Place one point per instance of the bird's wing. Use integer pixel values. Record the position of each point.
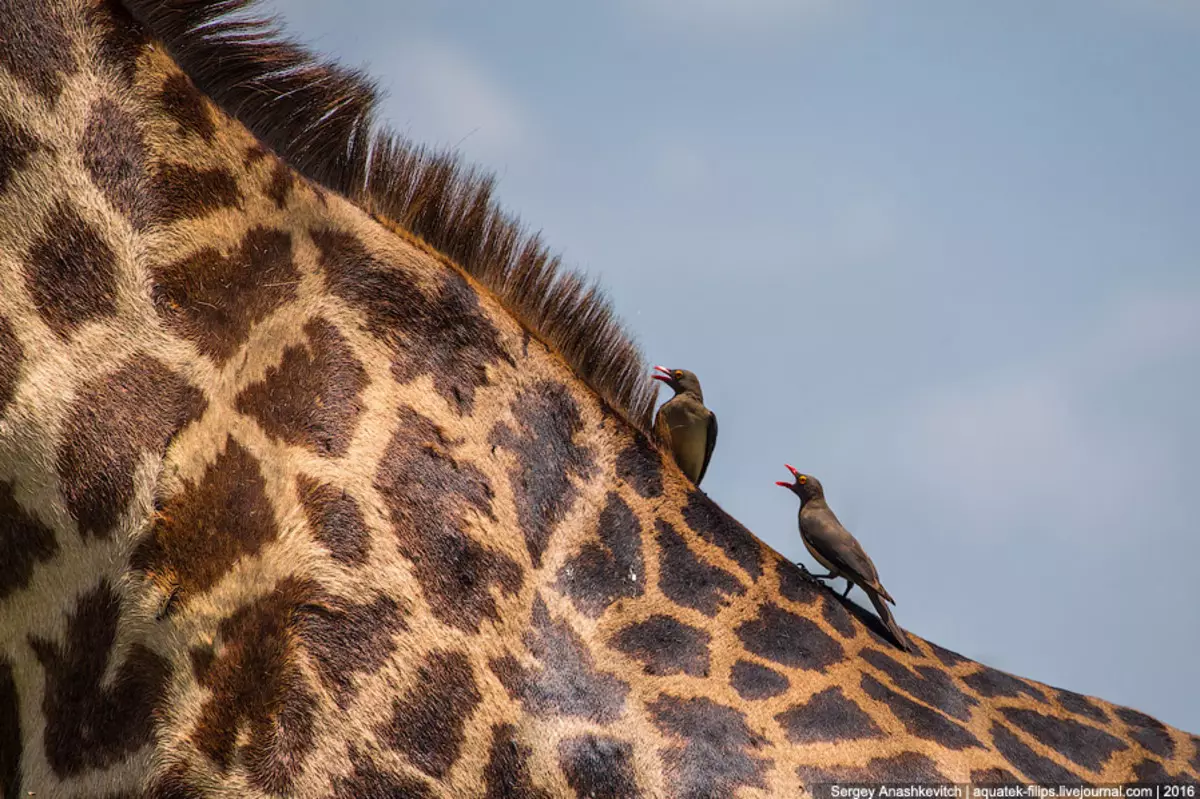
(840, 548)
(709, 442)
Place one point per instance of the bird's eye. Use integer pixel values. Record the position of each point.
(802, 479)
(678, 374)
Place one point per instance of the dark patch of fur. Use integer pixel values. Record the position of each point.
(37, 45)
(609, 569)
(716, 526)
(795, 584)
(947, 656)
(368, 781)
(689, 581)
(753, 681)
(1080, 705)
(714, 755)
(16, 146)
(507, 774)
(114, 154)
(11, 356)
(920, 720)
(335, 520)
(907, 767)
(10, 732)
(184, 192)
(932, 686)
(992, 683)
(640, 465)
(96, 716)
(665, 645)
(598, 768)
(1079, 743)
(24, 542)
(183, 102)
(827, 716)
(71, 272)
(346, 639)
(279, 188)
(994, 776)
(277, 89)
(1035, 767)
(789, 640)
(120, 38)
(1148, 731)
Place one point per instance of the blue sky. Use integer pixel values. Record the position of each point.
(944, 256)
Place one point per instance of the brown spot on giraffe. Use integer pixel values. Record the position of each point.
(279, 187)
(121, 38)
(24, 542)
(714, 753)
(312, 398)
(11, 746)
(789, 640)
(947, 657)
(202, 531)
(547, 457)
(1035, 767)
(71, 272)
(754, 682)
(665, 645)
(640, 465)
(567, 683)
(689, 581)
(174, 783)
(183, 103)
(257, 691)
(598, 768)
(994, 776)
(184, 192)
(507, 774)
(114, 421)
(905, 767)
(1080, 705)
(716, 526)
(797, 586)
(427, 725)
(95, 715)
(1079, 743)
(827, 716)
(11, 356)
(345, 639)
(335, 520)
(214, 300)
(431, 497)
(16, 146)
(609, 569)
(838, 617)
(114, 154)
(368, 781)
(990, 682)
(1147, 731)
(919, 720)
(931, 686)
(443, 333)
(37, 46)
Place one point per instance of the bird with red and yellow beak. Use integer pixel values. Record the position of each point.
(836, 549)
(683, 423)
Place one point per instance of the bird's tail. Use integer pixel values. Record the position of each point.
(889, 621)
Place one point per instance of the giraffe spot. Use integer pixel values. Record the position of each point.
(789, 640)
(173, 784)
(838, 617)
(114, 154)
(1035, 767)
(920, 720)
(11, 355)
(444, 334)
(16, 146)
(639, 465)
(547, 457)
(567, 682)
(507, 773)
(209, 526)
(121, 37)
(427, 726)
(947, 657)
(10, 732)
(689, 581)
(368, 781)
(346, 639)
(993, 776)
(665, 645)
(260, 711)
(431, 498)
(71, 272)
(992, 683)
(713, 755)
(96, 715)
(279, 187)
(213, 300)
(1195, 761)
(1080, 743)
(932, 686)
(609, 569)
(1080, 705)
(1151, 771)
(311, 399)
(24, 542)
(827, 716)
(795, 586)
(598, 768)
(1147, 731)
(37, 47)
(906, 767)
(335, 520)
(254, 153)
(182, 102)
(113, 422)
(718, 527)
(753, 681)
(184, 192)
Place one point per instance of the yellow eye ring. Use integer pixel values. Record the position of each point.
(802, 479)
(678, 374)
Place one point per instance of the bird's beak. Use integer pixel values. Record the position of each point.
(781, 483)
(665, 376)
(792, 469)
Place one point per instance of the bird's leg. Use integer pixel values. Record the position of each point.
(830, 576)
(846, 593)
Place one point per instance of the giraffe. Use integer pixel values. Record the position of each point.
(319, 478)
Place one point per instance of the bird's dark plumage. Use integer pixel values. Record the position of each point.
(685, 425)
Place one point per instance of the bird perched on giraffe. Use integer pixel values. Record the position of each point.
(833, 546)
(684, 424)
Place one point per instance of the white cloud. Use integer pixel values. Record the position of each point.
(739, 16)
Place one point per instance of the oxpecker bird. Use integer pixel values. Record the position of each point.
(836, 549)
(684, 424)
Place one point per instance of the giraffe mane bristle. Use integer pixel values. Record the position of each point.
(277, 88)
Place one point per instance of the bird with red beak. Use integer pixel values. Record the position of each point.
(837, 550)
(684, 424)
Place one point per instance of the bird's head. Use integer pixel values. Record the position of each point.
(806, 486)
(680, 380)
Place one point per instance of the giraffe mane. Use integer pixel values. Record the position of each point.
(319, 116)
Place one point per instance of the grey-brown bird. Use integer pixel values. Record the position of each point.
(684, 424)
(836, 549)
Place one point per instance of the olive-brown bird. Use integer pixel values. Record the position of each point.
(836, 549)
(684, 424)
